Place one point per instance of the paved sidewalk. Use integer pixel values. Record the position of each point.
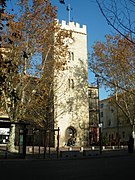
(68, 153)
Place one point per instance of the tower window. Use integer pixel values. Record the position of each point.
(70, 104)
(70, 56)
(71, 83)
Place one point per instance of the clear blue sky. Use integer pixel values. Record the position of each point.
(86, 12)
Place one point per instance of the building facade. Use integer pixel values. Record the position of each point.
(71, 108)
(115, 129)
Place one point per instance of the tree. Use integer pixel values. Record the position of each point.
(119, 14)
(114, 62)
(32, 49)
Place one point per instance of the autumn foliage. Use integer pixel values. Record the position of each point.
(114, 62)
(32, 53)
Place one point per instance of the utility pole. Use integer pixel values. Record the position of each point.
(116, 98)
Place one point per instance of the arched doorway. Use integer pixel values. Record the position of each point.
(70, 136)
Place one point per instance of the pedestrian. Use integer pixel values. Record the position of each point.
(131, 144)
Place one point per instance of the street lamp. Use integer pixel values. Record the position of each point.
(99, 119)
(116, 98)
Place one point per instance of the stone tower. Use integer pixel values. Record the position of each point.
(71, 112)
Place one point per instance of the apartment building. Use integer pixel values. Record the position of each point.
(115, 129)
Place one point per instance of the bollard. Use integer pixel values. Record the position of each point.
(30, 149)
(81, 149)
(70, 149)
(93, 147)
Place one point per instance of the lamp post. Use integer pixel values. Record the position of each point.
(116, 98)
(99, 119)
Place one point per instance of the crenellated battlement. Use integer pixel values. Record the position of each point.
(73, 26)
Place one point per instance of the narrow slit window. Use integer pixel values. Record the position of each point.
(69, 83)
(69, 56)
(72, 81)
(72, 55)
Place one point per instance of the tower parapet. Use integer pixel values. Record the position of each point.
(73, 26)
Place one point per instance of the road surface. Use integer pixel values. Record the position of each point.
(110, 168)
